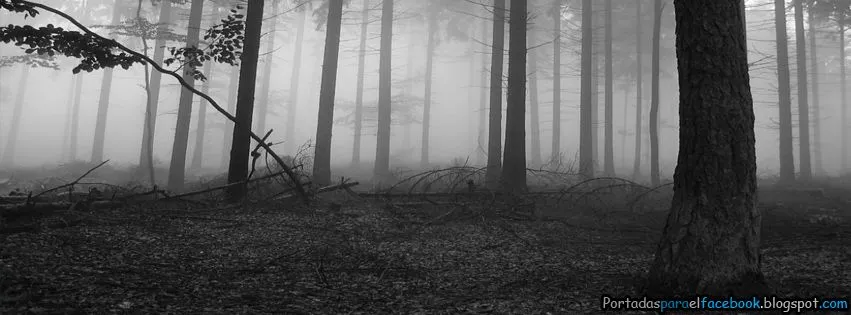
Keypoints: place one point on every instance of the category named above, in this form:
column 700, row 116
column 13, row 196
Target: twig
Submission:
column 71, row 183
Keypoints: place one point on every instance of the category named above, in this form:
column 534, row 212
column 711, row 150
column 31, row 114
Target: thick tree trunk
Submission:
column 177, row 168
column 609, row 162
column 819, row 169
column 494, row 167
column 103, row 101
column 240, row 149
column 8, row 159
column 295, row 76
column 227, row 128
column 328, row 88
column 654, row 95
column 201, row 129
column 586, row 144
column 150, row 122
column 803, row 107
column 636, row 165
column 269, row 58
column 432, row 30
column 382, row 148
column 710, row 246
column 514, row 165
column 359, row 97
column 787, row 160
column 534, row 117
column 556, row 138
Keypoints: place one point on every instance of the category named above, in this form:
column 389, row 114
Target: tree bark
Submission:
column 150, row 122
column 654, row 95
column 359, row 96
column 328, row 87
column 239, row 153
column 586, row 146
column 710, row 245
column 803, row 107
column 382, row 149
column 177, row 168
column 432, row 30
column 787, row 160
column 483, row 99
column 201, row 128
column 269, row 58
column 819, row 169
column 534, row 116
column 103, row 101
column 494, row 167
column 514, row 165
column 227, row 129
column 609, row 162
column 295, row 76
column 556, row 138
column 636, row 166
column 15, row 126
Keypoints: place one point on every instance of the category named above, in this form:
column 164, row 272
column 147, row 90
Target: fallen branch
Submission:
column 325, row 189
column 224, row 186
column 71, row 183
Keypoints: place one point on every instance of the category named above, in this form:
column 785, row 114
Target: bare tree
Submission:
column 103, row 101
column 12, row 140
column 787, row 160
column 803, row 107
column 608, row 156
column 149, row 128
column 382, row 148
column 586, row 146
column 359, row 97
column 556, row 138
column 328, row 87
column 494, row 167
column 636, row 166
column 514, row 165
column 654, row 94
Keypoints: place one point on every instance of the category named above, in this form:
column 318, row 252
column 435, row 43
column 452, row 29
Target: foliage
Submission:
column 34, row 60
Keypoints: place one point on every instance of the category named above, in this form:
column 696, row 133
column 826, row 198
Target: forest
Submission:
column 426, row 157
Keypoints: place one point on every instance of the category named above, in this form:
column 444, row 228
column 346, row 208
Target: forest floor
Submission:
column 363, row 256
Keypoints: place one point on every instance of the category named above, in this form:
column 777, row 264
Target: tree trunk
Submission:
column 359, row 97
column 382, row 147
column 654, row 96
column 803, row 107
column 534, row 117
column 295, row 76
column 787, row 160
column 150, row 122
column 494, row 167
column 609, row 163
column 514, row 166
column 201, row 128
column 263, row 102
column 239, row 153
column 556, row 138
column 103, row 101
column 843, row 100
column 432, row 29
column 483, row 99
column 177, row 168
column 325, row 123
column 710, row 246
column 586, row 147
column 75, row 118
column 819, row 169
column 625, row 127
column 636, row 165
column 15, row 126
column 69, row 108
column 227, row 128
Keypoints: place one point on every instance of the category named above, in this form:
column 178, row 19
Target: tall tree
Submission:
column 586, row 146
column 227, row 130
column 803, row 107
column 514, row 165
column 269, row 58
column 177, row 168
column 432, row 31
column 483, row 96
column 609, row 163
column 654, row 94
column 494, row 167
column 556, row 138
column 73, row 137
column 814, row 70
column 710, row 246
column 842, row 90
column 239, row 153
column 201, row 125
column 636, row 166
column 382, row 147
column 150, row 122
column 359, row 96
column 12, row 139
column 295, row 76
column 787, row 160
column 103, row 101
column 328, row 87
column 534, row 117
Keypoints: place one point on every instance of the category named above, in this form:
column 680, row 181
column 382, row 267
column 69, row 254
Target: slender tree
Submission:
column 432, row 31
column 269, row 58
column 227, row 130
column 710, row 246
column 239, row 153
column 177, row 168
column 609, row 162
column 556, row 138
column 636, row 166
column 328, row 87
column 534, row 106
column 359, row 96
column 654, row 95
column 201, row 125
column 586, row 157
column 15, row 126
column 295, row 76
column 382, row 148
column 814, row 70
column 803, row 107
column 494, row 167
column 787, row 160
column 150, row 122
column 103, row 101
column 514, row 165
column 483, row 97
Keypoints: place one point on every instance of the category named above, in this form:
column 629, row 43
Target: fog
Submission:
column 462, row 56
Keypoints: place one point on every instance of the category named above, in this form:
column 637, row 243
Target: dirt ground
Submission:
column 348, row 255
